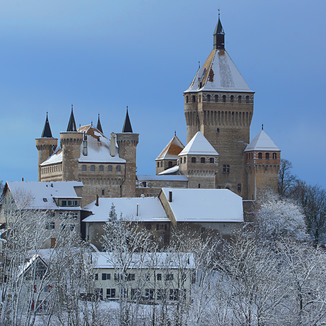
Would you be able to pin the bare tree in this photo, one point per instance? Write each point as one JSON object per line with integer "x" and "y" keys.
{"x": 286, "y": 179}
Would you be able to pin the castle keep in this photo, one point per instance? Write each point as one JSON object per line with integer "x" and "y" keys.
{"x": 218, "y": 152}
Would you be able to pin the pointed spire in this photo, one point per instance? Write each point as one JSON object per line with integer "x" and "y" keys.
{"x": 99, "y": 126}
{"x": 72, "y": 123}
{"x": 46, "y": 130}
{"x": 219, "y": 34}
{"x": 127, "y": 124}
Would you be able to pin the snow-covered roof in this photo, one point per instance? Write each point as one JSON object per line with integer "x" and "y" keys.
{"x": 171, "y": 150}
{"x": 162, "y": 178}
{"x": 98, "y": 149}
{"x": 262, "y": 142}
{"x": 199, "y": 145}
{"x": 157, "y": 260}
{"x": 204, "y": 205}
{"x": 219, "y": 73}
{"x": 40, "y": 195}
{"x": 174, "y": 169}
{"x": 149, "y": 209}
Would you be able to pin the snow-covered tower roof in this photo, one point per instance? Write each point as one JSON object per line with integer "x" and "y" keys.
{"x": 219, "y": 73}
{"x": 199, "y": 145}
{"x": 262, "y": 142}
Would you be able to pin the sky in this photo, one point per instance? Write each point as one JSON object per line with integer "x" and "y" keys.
{"x": 104, "y": 55}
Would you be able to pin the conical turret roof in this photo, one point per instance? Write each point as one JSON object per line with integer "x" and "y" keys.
{"x": 262, "y": 142}
{"x": 171, "y": 150}
{"x": 127, "y": 125}
{"x": 72, "y": 123}
{"x": 46, "y": 133}
{"x": 199, "y": 145}
{"x": 99, "y": 126}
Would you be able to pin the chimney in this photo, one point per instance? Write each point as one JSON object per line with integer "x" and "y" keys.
{"x": 97, "y": 201}
{"x": 170, "y": 196}
{"x": 112, "y": 144}
{"x": 137, "y": 210}
{"x": 23, "y": 180}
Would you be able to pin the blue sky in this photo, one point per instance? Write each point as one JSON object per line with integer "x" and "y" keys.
{"x": 103, "y": 55}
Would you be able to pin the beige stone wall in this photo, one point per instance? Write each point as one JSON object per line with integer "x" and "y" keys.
{"x": 52, "y": 172}
{"x": 226, "y": 125}
{"x": 162, "y": 165}
{"x": 70, "y": 144}
{"x": 45, "y": 147}
{"x": 127, "y": 143}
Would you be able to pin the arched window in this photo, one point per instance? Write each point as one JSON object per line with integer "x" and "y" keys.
{"x": 208, "y": 98}
{"x": 267, "y": 156}
{"x": 260, "y": 155}
{"x": 92, "y": 168}
{"x": 184, "y": 160}
{"x": 211, "y": 160}
{"x": 193, "y": 160}
{"x": 110, "y": 168}
{"x": 239, "y": 99}
{"x": 101, "y": 168}
{"x": 84, "y": 168}
{"x": 118, "y": 168}
{"x": 224, "y": 98}
{"x": 158, "y": 164}
{"x": 187, "y": 99}
{"x": 274, "y": 156}
{"x": 247, "y": 99}
{"x": 216, "y": 98}
{"x": 232, "y": 98}
{"x": 170, "y": 164}
{"x": 202, "y": 160}
{"x": 193, "y": 98}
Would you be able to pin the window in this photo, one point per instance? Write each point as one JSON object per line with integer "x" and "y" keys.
{"x": 198, "y": 185}
{"x": 232, "y": 98}
{"x": 184, "y": 160}
{"x": 274, "y": 156}
{"x": 159, "y": 277}
{"x": 92, "y": 168}
{"x": 101, "y": 168}
{"x": 106, "y": 276}
{"x": 267, "y": 156}
{"x": 50, "y": 225}
{"x": 193, "y": 98}
{"x": 73, "y": 215}
{"x": 224, "y": 98}
{"x": 170, "y": 164}
{"x": 187, "y": 99}
{"x": 161, "y": 294}
{"x": 96, "y": 277}
{"x": 110, "y": 168}
{"x": 217, "y": 129}
{"x": 64, "y": 203}
{"x": 116, "y": 277}
{"x": 202, "y": 160}
{"x": 69, "y": 202}
{"x": 202, "y": 230}
{"x": 226, "y": 168}
{"x": 211, "y": 160}
{"x": 158, "y": 164}
{"x": 193, "y": 160}
{"x": 169, "y": 277}
{"x": 103, "y": 192}
{"x": 118, "y": 168}
{"x": 131, "y": 277}
{"x": 239, "y": 187}
{"x": 174, "y": 294}
{"x": 239, "y": 99}
{"x": 110, "y": 293}
{"x": 208, "y": 98}
{"x": 149, "y": 294}
{"x": 260, "y": 155}
{"x": 84, "y": 168}
{"x": 216, "y": 98}
{"x": 135, "y": 293}
{"x": 99, "y": 293}
{"x": 247, "y": 99}
{"x": 148, "y": 226}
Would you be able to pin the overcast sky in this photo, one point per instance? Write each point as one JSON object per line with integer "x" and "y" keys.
{"x": 103, "y": 55}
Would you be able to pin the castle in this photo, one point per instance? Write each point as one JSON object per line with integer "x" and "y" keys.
{"x": 218, "y": 154}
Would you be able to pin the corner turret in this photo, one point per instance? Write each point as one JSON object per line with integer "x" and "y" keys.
{"x": 45, "y": 145}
